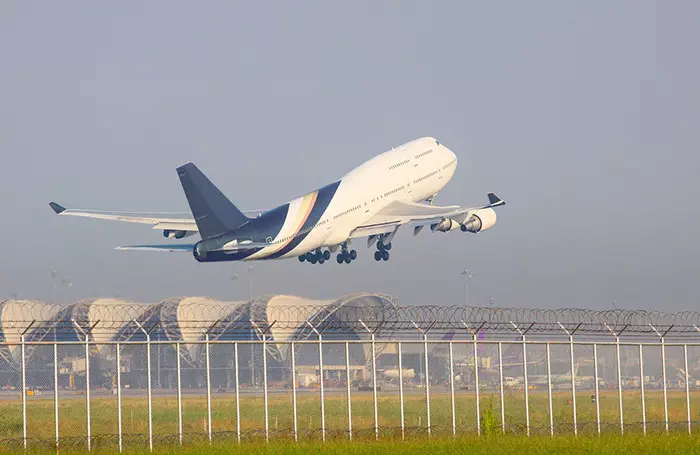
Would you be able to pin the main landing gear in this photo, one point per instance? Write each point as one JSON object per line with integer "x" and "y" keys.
{"x": 316, "y": 256}
{"x": 382, "y": 253}
{"x": 345, "y": 255}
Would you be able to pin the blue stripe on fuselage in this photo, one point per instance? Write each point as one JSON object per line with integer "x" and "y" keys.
{"x": 324, "y": 198}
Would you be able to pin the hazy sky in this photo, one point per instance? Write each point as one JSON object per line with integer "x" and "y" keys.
{"x": 583, "y": 116}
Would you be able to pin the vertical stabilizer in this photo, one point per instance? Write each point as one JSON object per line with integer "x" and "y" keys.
{"x": 212, "y": 211}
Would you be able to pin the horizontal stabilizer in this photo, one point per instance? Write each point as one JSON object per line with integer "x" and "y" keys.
{"x": 177, "y": 247}
{"x": 495, "y": 201}
{"x": 58, "y": 208}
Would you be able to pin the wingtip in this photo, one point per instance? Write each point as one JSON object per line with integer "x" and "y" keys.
{"x": 58, "y": 208}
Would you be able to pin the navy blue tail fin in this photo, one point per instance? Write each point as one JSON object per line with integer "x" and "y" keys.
{"x": 213, "y": 213}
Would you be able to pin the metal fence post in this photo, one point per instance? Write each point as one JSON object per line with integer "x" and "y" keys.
{"x": 24, "y": 385}
{"x": 476, "y": 377}
{"x": 262, "y": 334}
{"x": 55, "y": 392}
{"x": 374, "y": 380}
{"x": 321, "y": 390}
{"x": 424, "y": 333}
{"x": 320, "y": 377}
{"x": 401, "y": 404}
{"x": 119, "y": 395}
{"x": 178, "y": 372}
{"x": 500, "y": 385}
{"x": 149, "y": 391}
{"x": 238, "y": 403}
{"x": 374, "y": 389}
{"x": 619, "y": 375}
{"x": 427, "y": 382}
{"x": 619, "y": 383}
{"x": 294, "y": 393}
{"x": 687, "y": 387}
{"x": 595, "y": 378}
{"x": 549, "y": 390}
{"x": 573, "y": 371}
{"x": 24, "y": 395}
{"x": 452, "y": 392}
{"x": 527, "y": 397}
{"x": 347, "y": 388}
{"x": 265, "y": 393}
{"x": 663, "y": 376}
{"x": 663, "y": 372}
{"x": 87, "y": 379}
{"x": 476, "y": 388}
{"x": 641, "y": 388}
{"x": 207, "y": 374}
{"x": 207, "y": 361}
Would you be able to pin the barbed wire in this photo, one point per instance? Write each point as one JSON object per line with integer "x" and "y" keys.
{"x": 285, "y": 317}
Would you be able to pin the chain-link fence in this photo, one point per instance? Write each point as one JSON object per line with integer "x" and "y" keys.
{"x": 343, "y": 372}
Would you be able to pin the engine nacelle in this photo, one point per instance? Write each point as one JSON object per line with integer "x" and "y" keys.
{"x": 445, "y": 225}
{"x": 479, "y": 220}
{"x": 176, "y": 234}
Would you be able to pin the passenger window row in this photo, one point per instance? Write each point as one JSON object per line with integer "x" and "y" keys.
{"x": 427, "y": 152}
{"x": 394, "y": 166}
{"x": 426, "y": 176}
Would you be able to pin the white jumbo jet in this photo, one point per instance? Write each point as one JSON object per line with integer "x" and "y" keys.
{"x": 393, "y": 189}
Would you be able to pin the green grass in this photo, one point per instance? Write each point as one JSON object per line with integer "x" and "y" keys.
{"x": 503, "y": 445}
{"x": 135, "y": 422}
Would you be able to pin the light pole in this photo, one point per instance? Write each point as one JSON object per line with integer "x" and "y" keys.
{"x": 467, "y": 274}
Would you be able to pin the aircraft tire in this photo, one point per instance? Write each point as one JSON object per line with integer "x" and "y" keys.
{"x": 377, "y": 255}
{"x": 353, "y": 254}
{"x": 326, "y": 255}
{"x": 385, "y": 255}
{"x": 340, "y": 259}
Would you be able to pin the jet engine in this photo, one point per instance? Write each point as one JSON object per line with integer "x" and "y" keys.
{"x": 445, "y": 225}
{"x": 479, "y": 220}
{"x": 176, "y": 234}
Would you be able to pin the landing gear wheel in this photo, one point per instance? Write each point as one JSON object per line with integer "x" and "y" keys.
{"x": 313, "y": 259}
{"x": 302, "y": 258}
{"x": 377, "y": 255}
{"x": 326, "y": 255}
{"x": 339, "y": 258}
{"x": 353, "y": 255}
{"x": 387, "y": 246}
{"x": 322, "y": 260}
{"x": 348, "y": 259}
{"x": 385, "y": 255}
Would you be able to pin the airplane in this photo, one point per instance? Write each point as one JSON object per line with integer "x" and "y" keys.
{"x": 393, "y": 189}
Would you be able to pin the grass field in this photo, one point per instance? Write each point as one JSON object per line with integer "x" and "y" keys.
{"x": 503, "y": 445}
{"x": 72, "y": 418}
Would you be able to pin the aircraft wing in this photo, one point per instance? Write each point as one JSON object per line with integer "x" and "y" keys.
{"x": 231, "y": 247}
{"x": 178, "y": 247}
{"x": 166, "y": 221}
{"x": 398, "y": 213}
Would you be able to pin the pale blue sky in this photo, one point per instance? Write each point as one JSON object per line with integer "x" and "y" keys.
{"x": 582, "y": 115}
